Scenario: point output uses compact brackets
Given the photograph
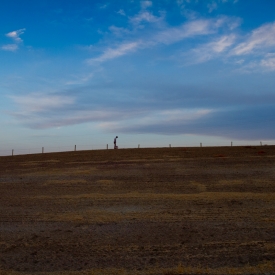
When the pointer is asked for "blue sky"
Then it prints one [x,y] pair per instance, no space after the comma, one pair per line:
[152,72]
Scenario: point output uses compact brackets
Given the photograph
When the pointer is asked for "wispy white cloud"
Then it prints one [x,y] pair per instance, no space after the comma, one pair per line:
[38,102]
[168,116]
[223,43]
[194,28]
[264,64]
[190,29]
[212,49]
[230,23]
[10,47]
[249,67]
[103,6]
[112,53]
[146,4]
[168,36]
[121,12]
[269,62]
[36,120]
[80,79]
[212,6]
[255,50]
[15,35]
[260,39]
[148,119]
[181,3]
[239,61]
[144,16]
[118,31]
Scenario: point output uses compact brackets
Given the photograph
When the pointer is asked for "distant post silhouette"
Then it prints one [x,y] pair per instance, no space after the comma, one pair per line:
[115,146]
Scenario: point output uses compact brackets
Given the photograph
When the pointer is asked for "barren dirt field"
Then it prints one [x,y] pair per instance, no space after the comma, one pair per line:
[139,211]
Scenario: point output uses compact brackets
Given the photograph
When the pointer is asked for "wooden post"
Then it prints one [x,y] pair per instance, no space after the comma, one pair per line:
[231,143]
[170,145]
[261,143]
[201,144]
[12,152]
[107,147]
[75,148]
[42,150]
[138,146]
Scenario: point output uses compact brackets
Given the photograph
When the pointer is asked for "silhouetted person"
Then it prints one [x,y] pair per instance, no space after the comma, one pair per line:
[115,147]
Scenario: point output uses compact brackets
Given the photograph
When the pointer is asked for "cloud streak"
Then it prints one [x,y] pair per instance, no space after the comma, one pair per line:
[170,110]
[213,49]
[15,35]
[190,29]
[10,47]
[112,53]
[166,36]
[144,16]
[259,40]
[146,4]
[247,123]
[269,62]
[38,121]
[37,102]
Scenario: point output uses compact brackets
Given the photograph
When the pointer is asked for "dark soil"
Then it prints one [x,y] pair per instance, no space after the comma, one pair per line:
[138,209]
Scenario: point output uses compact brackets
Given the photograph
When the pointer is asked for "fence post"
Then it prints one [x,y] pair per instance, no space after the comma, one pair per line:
[231,143]
[138,146]
[261,143]
[42,150]
[12,152]
[201,144]
[170,145]
[75,148]
[107,147]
